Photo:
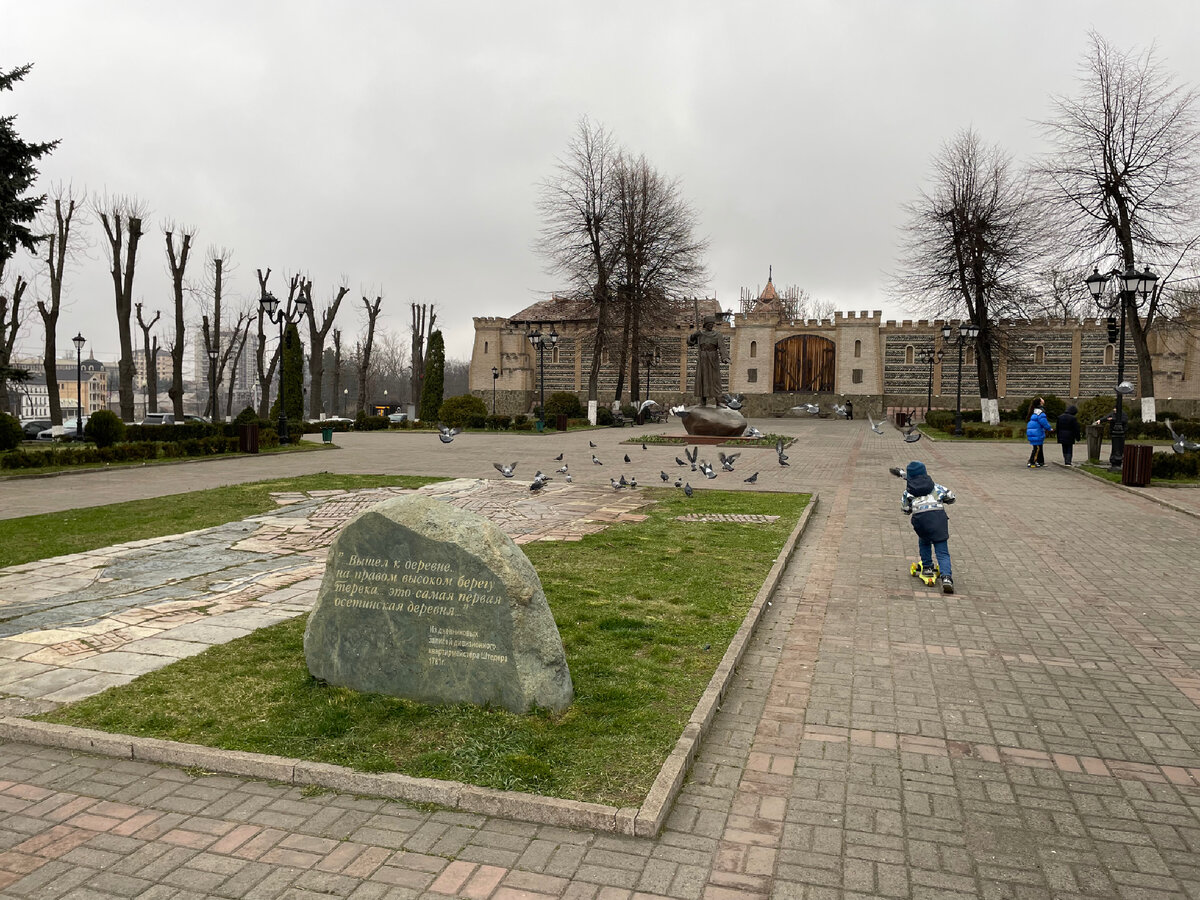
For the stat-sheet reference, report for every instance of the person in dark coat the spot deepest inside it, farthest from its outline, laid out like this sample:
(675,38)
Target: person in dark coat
(1067,429)
(924,500)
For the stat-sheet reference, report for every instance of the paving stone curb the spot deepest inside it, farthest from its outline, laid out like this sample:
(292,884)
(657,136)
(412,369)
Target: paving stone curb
(645,821)
(1139,493)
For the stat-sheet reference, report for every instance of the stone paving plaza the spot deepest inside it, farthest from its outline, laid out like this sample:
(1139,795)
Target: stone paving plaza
(1035,734)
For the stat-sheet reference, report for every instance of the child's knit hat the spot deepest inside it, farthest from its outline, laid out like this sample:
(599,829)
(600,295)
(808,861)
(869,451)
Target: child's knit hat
(915,470)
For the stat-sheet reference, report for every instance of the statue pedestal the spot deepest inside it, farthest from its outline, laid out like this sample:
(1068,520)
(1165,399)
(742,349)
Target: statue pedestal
(714,420)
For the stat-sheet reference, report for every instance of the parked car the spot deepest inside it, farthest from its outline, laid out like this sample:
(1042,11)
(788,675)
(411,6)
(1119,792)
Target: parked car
(158,418)
(191,418)
(68,432)
(33,427)
(397,418)
(331,420)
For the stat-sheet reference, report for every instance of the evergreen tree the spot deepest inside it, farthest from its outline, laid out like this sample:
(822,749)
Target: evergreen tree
(17,175)
(435,377)
(293,373)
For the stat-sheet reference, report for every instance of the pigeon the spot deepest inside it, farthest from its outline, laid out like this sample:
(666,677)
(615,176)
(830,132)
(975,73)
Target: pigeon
(664,476)
(753,432)
(691,455)
(779,452)
(876,427)
(678,482)
(811,408)
(678,410)
(911,434)
(753,479)
(596,461)
(707,469)
(687,489)
(841,412)
(616,484)
(679,462)
(633,481)
(733,401)
(506,471)
(540,476)
(537,485)
(627,459)
(562,470)
(1181,444)
(643,446)
(898,472)
(624,483)
(590,444)
(558,458)
(727,461)
(569,479)
(446,434)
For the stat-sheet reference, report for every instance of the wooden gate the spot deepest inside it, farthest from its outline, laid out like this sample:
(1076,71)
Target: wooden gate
(805,362)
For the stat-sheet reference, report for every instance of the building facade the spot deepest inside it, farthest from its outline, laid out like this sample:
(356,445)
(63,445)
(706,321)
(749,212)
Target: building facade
(777,362)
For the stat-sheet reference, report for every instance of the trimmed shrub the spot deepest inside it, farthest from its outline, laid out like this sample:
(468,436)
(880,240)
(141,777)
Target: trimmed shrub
(11,434)
(604,416)
(564,403)
(104,428)
(941,419)
(463,411)
(247,417)
(498,423)
(1175,465)
(519,420)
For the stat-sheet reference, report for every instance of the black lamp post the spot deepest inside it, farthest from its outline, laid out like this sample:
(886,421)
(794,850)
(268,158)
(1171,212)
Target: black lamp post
(495,376)
(1129,284)
(78,341)
(281,316)
(539,341)
(212,379)
(649,361)
(966,331)
(930,357)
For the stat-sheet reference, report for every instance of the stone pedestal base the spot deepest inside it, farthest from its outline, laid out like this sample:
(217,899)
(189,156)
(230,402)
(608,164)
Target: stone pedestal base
(714,420)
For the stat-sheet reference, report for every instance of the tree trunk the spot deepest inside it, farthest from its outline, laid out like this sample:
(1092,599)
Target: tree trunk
(56,264)
(177,265)
(364,367)
(316,350)
(623,358)
(151,356)
(10,320)
(239,339)
(338,405)
(116,231)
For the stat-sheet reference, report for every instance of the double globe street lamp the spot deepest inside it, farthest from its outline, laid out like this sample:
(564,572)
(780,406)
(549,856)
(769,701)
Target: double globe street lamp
(282,316)
(212,379)
(538,340)
(1128,285)
(495,376)
(929,357)
(967,331)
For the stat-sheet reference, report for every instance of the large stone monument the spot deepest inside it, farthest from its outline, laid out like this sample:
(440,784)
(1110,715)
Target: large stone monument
(714,421)
(429,602)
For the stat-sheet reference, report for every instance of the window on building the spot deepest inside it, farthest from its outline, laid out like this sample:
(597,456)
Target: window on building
(1108,354)
(1039,355)
(753,349)
(554,355)
(857,349)
(969,356)
(856,375)
(909,355)
(604,357)
(752,374)
(485,348)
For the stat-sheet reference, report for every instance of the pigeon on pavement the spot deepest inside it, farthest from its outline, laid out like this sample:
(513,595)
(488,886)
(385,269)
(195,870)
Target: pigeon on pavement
(590,444)
(627,459)
(841,411)
(664,476)
(753,432)
(558,458)
(679,462)
(616,484)
(446,434)
(562,470)
(506,471)
(753,479)
(876,427)
(912,434)
(727,461)
(596,461)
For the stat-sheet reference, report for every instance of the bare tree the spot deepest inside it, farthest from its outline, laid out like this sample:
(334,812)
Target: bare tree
(316,337)
(579,237)
(10,322)
(122,220)
(61,243)
(150,349)
(218,263)
(391,358)
(1122,178)
(660,257)
(970,243)
(424,315)
(232,354)
(364,365)
(337,372)
(177,263)
(266,370)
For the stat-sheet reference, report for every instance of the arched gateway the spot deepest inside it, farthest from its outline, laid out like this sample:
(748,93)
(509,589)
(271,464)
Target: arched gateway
(805,362)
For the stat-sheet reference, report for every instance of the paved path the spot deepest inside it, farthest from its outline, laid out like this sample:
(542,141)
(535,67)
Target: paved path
(1036,734)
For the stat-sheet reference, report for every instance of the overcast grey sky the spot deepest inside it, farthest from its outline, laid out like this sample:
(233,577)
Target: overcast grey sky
(397,146)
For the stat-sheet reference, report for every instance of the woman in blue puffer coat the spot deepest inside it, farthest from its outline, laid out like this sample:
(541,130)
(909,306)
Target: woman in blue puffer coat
(1035,432)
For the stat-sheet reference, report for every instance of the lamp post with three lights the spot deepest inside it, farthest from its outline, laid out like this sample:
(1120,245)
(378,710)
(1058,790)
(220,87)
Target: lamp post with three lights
(281,316)
(1129,284)
(213,354)
(967,331)
(929,357)
(495,377)
(78,341)
(538,340)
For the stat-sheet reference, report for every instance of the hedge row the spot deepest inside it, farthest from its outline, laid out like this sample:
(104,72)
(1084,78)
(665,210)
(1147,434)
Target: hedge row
(80,454)
(1175,465)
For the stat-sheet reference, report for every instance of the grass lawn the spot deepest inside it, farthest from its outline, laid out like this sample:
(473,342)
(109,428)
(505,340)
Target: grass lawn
(1108,475)
(28,538)
(645,611)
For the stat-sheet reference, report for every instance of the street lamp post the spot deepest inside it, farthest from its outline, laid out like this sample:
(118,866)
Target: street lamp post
(1129,283)
(345,399)
(495,376)
(930,357)
(280,316)
(78,341)
(966,331)
(538,340)
(212,380)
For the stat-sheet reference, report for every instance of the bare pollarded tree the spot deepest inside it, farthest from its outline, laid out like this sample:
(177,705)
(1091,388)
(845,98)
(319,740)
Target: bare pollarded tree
(316,337)
(424,315)
(121,217)
(971,241)
(1122,178)
(579,235)
(232,355)
(371,309)
(64,241)
(219,266)
(10,324)
(177,261)
(150,351)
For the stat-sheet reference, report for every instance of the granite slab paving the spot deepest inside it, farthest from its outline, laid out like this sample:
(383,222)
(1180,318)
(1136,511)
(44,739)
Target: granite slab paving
(1034,735)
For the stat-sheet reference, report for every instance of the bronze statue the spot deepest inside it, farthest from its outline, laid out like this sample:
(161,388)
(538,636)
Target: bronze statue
(710,354)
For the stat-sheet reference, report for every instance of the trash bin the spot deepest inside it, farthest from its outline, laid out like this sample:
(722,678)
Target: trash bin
(1136,464)
(327,435)
(541,425)
(248,438)
(1095,434)
(560,421)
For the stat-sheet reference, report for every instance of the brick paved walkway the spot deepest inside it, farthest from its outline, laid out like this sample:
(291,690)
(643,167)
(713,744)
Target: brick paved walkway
(1036,734)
